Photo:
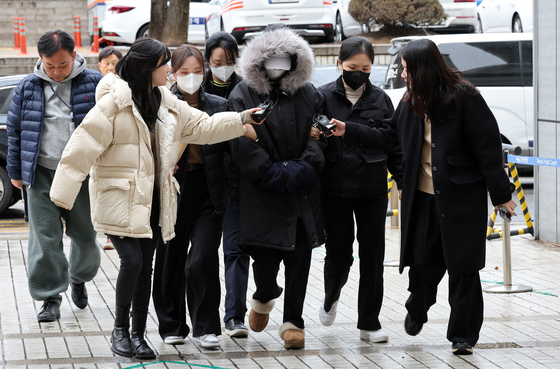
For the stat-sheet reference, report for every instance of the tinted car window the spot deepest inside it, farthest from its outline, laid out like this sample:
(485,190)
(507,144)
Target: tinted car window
(527,63)
(485,63)
(5,98)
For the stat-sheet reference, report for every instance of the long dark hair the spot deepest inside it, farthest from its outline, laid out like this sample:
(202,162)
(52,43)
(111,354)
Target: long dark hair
(136,68)
(354,46)
(431,85)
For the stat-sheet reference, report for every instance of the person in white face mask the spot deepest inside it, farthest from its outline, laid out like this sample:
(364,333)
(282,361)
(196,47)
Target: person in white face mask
(221,53)
(202,202)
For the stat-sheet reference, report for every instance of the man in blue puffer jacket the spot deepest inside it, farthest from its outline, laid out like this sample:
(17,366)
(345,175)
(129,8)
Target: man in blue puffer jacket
(46,108)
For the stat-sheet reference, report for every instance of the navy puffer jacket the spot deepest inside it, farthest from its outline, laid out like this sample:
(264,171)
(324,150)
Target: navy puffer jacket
(26,120)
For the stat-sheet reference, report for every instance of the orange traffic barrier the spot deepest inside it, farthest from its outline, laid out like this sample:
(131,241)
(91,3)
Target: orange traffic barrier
(77,32)
(16,32)
(22,42)
(95,46)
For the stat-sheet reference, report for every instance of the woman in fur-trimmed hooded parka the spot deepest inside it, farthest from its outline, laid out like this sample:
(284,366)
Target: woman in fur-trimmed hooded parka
(280,217)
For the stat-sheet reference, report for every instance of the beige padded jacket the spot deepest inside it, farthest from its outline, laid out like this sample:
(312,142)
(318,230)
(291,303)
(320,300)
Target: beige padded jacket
(113,145)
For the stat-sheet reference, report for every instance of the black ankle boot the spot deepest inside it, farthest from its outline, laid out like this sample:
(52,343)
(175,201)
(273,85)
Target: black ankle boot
(120,339)
(139,344)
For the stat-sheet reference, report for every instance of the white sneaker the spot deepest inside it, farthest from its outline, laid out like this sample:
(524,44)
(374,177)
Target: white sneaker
(174,340)
(377,336)
(327,318)
(208,341)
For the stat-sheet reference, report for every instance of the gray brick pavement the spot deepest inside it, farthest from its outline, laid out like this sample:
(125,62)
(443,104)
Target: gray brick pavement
(520,331)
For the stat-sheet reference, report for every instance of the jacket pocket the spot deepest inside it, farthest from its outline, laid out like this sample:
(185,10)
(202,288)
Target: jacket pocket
(373,118)
(113,201)
(466,178)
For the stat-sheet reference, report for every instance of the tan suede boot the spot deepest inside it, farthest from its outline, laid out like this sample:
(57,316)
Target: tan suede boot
(294,337)
(258,317)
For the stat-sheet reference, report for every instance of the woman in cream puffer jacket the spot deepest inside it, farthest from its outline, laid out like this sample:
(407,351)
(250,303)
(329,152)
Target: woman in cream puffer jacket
(115,143)
(129,144)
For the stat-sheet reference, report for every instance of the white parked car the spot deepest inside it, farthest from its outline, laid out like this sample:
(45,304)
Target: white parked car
(346,26)
(499,65)
(245,19)
(505,16)
(461,17)
(127,20)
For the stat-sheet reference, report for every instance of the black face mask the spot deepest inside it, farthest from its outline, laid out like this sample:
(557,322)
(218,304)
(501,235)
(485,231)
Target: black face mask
(354,79)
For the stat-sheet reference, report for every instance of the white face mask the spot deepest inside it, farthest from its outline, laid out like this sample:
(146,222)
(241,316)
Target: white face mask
(190,83)
(275,74)
(223,72)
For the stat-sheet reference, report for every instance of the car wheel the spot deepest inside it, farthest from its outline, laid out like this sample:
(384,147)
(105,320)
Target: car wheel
(338,33)
(143,31)
(6,190)
(516,27)
(478,28)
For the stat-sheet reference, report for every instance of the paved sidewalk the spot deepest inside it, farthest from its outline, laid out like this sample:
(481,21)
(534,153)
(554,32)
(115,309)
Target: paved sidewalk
(520,330)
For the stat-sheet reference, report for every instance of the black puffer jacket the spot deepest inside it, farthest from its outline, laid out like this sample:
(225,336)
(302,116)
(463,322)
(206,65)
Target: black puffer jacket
(352,171)
(269,217)
(212,155)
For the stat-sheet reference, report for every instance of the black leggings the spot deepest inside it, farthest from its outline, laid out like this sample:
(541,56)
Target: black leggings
(134,281)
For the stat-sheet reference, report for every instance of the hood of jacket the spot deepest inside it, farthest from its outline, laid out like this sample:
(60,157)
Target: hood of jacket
(79,65)
(283,40)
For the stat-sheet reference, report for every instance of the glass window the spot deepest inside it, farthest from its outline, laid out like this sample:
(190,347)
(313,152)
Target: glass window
(6,98)
(527,63)
(485,63)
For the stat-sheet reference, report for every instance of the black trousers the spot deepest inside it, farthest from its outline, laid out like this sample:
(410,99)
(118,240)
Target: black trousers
(370,213)
(266,263)
(427,270)
(134,281)
(196,270)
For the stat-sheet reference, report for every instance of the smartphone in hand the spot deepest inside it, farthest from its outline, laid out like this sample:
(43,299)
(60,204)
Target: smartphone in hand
(504,213)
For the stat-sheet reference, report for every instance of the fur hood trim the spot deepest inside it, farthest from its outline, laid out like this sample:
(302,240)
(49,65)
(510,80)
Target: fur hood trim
(283,40)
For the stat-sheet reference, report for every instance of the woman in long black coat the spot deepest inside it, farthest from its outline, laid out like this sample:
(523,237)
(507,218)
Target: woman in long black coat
(451,156)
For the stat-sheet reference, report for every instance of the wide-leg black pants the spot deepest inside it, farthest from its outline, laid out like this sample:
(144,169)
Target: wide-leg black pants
(370,213)
(196,270)
(427,270)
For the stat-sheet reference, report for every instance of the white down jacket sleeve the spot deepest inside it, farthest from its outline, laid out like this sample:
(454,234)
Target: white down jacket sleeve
(201,129)
(90,139)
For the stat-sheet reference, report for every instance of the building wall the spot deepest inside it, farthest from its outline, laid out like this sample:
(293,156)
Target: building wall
(547,117)
(42,16)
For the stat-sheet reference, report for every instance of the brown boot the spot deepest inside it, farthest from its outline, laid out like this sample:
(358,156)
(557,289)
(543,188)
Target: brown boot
(294,337)
(258,317)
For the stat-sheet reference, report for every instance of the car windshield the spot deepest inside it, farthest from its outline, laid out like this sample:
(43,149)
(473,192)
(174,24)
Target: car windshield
(324,74)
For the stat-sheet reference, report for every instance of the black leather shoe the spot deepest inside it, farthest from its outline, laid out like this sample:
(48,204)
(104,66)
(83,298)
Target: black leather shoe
(79,294)
(461,348)
(411,327)
(236,328)
(139,345)
(120,338)
(50,311)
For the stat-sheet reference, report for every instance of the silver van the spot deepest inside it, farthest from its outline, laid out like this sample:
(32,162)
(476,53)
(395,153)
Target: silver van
(500,65)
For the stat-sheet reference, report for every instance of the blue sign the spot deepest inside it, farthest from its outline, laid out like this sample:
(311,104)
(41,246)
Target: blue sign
(533,160)
(196,20)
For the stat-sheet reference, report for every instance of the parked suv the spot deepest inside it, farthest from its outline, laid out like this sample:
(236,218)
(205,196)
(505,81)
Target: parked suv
(9,194)
(499,65)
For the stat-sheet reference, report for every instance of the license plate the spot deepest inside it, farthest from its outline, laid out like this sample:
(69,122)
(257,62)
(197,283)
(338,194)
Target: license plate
(282,1)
